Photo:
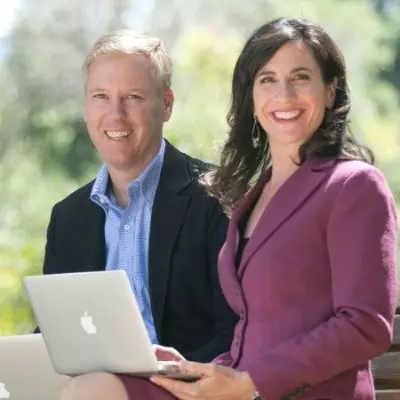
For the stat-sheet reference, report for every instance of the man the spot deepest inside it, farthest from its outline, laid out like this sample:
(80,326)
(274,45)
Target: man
(145,212)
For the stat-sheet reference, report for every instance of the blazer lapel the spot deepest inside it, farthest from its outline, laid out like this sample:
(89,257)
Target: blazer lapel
(167,217)
(232,236)
(91,237)
(289,198)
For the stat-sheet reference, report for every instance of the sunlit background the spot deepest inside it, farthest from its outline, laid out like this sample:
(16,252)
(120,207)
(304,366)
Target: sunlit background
(44,150)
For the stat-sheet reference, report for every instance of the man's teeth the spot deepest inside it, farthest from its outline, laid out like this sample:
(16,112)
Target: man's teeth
(117,134)
(286,114)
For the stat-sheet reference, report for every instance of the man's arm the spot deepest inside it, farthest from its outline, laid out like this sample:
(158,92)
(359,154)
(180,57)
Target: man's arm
(49,263)
(50,258)
(224,318)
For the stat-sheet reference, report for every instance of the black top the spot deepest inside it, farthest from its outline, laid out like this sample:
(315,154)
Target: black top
(242,240)
(239,253)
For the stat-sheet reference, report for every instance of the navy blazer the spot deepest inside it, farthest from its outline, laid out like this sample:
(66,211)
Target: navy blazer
(187,230)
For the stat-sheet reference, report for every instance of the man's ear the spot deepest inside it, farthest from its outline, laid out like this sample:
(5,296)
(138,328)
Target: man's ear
(169,98)
(84,104)
(331,93)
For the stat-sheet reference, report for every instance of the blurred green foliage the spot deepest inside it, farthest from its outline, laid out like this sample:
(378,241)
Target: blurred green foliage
(45,152)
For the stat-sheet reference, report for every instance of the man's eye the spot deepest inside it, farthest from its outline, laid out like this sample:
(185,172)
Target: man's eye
(99,96)
(133,96)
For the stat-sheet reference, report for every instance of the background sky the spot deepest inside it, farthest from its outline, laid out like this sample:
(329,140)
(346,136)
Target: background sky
(7,13)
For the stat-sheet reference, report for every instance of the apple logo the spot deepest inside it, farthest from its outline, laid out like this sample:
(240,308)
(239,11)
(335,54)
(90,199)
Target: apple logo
(87,324)
(4,394)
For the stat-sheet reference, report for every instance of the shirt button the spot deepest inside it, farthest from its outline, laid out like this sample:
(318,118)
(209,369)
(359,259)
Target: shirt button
(237,340)
(127,228)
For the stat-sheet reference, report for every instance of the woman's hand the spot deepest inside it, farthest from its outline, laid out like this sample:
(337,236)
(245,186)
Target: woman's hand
(216,383)
(167,353)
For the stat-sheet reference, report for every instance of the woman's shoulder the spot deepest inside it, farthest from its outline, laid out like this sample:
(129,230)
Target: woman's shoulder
(349,170)
(356,175)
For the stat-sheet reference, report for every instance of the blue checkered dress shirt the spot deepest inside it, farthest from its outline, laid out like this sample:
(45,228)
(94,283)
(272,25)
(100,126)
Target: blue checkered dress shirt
(127,230)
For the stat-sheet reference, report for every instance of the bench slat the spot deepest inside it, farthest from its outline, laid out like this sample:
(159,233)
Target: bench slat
(396,332)
(386,371)
(388,394)
(386,368)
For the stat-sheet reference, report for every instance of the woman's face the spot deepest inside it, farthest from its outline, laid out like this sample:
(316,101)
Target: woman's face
(290,96)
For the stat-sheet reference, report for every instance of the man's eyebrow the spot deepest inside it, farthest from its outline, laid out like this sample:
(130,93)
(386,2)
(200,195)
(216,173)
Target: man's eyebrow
(99,89)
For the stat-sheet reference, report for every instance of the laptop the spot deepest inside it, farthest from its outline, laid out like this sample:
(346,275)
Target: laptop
(26,372)
(91,322)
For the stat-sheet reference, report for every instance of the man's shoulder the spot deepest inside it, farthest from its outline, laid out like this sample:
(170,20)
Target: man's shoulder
(194,167)
(197,167)
(76,198)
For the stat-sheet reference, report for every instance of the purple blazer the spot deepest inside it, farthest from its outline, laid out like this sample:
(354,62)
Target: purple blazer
(316,286)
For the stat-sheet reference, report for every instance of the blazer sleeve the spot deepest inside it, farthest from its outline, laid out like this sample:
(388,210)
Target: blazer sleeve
(50,260)
(361,241)
(224,318)
(50,257)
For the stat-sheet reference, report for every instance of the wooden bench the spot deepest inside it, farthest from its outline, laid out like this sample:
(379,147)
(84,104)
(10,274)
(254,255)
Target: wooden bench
(386,368)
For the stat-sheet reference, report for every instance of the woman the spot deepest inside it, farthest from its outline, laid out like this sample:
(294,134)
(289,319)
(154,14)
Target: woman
(309,262)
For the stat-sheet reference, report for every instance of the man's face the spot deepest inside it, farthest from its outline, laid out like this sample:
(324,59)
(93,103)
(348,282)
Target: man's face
(125,109)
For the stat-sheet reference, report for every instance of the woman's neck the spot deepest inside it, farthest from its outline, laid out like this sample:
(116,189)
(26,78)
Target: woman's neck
(283,165)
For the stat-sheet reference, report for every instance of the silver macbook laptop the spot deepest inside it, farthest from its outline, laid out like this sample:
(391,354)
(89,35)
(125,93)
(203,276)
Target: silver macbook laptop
(26,372)
(91,322)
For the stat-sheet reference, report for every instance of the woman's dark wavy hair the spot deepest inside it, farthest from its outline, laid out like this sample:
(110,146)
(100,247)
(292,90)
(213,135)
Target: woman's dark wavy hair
(240,162)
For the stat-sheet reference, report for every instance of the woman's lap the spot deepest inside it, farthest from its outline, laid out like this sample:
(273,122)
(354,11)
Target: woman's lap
(139,389)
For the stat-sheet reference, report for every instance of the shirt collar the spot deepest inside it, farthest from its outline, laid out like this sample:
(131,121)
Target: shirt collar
(99,192)
(149,178)
(147,181)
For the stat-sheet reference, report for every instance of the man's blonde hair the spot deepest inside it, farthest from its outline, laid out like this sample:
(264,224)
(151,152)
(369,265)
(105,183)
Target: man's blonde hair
(130,42)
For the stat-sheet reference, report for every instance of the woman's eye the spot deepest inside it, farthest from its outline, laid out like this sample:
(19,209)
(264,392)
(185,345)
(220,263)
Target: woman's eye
(267,79)
(302,77)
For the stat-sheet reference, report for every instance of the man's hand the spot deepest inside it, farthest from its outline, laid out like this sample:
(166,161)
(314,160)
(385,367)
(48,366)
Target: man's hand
(217,383)
(167,353)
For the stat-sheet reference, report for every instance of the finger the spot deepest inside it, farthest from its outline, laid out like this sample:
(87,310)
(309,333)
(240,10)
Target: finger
(198,369)
(169,352)
(177,388)
(157,347)
(159,351)
(166,356)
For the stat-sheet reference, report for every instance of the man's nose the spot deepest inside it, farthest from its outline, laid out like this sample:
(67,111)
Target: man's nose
(117,107)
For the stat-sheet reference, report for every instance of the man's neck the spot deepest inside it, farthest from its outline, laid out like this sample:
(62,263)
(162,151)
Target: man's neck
(119,186)
(121,178)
